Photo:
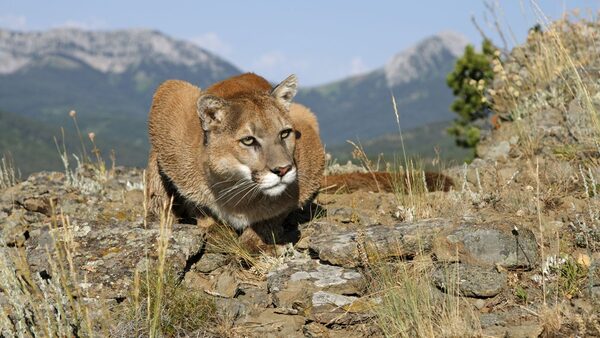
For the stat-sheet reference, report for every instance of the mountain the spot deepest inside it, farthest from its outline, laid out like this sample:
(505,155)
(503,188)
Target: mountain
(108,77)
(361,106)
(19,136)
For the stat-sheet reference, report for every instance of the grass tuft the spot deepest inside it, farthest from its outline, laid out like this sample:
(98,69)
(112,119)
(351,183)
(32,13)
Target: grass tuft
(8,177)
(411,306)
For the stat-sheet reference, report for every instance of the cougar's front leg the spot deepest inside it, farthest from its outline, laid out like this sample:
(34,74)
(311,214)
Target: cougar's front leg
(156,194)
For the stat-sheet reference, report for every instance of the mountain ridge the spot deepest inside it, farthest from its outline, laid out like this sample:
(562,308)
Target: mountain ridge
(119,49)
(360,106)
(109,78)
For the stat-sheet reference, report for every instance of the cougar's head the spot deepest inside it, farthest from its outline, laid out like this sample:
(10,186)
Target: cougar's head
(249,140)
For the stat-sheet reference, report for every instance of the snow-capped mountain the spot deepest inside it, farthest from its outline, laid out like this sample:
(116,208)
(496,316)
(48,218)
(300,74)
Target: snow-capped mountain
(108,77)
(106,51)
(424,57)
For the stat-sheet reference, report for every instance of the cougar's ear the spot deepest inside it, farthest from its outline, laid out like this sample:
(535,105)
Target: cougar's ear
(285,91)
(211,110)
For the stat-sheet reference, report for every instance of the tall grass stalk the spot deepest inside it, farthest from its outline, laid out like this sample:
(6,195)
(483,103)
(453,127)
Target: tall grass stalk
(49,303)
(539,216)
(73,115)
(411,306)
(165,226)
(8,178)
(406,168)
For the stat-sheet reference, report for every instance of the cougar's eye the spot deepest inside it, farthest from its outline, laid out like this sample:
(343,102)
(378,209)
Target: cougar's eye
(248,141)
(285,133)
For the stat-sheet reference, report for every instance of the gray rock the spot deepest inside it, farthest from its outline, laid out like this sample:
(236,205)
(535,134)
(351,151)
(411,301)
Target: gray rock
(225,284)
(231,308)
(471,281)
(210,262)
(294,284)
(268,323)
(109,253)
(490,319)
(321,298)
(492,244)
(405,239)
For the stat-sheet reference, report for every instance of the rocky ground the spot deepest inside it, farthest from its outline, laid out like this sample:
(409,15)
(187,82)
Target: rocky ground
(319,286)
(515,246)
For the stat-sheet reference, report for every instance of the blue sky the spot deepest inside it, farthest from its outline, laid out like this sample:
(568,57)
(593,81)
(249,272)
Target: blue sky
(321,41)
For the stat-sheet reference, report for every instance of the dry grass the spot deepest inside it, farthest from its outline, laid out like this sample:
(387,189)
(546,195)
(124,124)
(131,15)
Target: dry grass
(225,240)
(49,303)
(547,72)
(162,306)
(411,306)
(8,177)
(159,304)
(54,303)
(550,71)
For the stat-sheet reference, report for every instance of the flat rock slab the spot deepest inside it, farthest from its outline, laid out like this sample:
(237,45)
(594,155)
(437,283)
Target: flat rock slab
(294,284)
(106,255)
(405,239)
(270,323)
(489,245)
(470,281)
(330,308)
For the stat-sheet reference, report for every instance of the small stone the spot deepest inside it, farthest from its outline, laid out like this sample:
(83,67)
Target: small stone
(479,303)
(315,330)
(321,298)
(37,205)
(210,262)
(225,285)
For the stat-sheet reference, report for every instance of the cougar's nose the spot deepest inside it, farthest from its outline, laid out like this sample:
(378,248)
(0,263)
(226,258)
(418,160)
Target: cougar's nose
(281,171)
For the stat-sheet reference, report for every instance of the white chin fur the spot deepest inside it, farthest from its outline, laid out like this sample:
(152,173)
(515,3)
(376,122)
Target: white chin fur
(272,185)
(275,191)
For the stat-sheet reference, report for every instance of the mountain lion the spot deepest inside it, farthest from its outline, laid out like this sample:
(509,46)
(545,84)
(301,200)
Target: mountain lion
(239,152)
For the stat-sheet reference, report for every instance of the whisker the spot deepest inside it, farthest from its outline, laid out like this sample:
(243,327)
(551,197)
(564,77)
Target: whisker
(241,190)
(227,180)
(248,192)
(234,191)
(221,182)
(237,185)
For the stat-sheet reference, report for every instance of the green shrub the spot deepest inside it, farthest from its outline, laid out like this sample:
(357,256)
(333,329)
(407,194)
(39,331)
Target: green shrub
(471,75)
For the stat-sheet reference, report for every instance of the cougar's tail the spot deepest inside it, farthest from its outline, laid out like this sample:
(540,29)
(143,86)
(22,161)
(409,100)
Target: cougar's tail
(383,182)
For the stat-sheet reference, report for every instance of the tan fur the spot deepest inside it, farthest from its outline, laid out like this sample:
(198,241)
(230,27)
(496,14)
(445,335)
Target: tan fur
(381,182)
(182,166)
